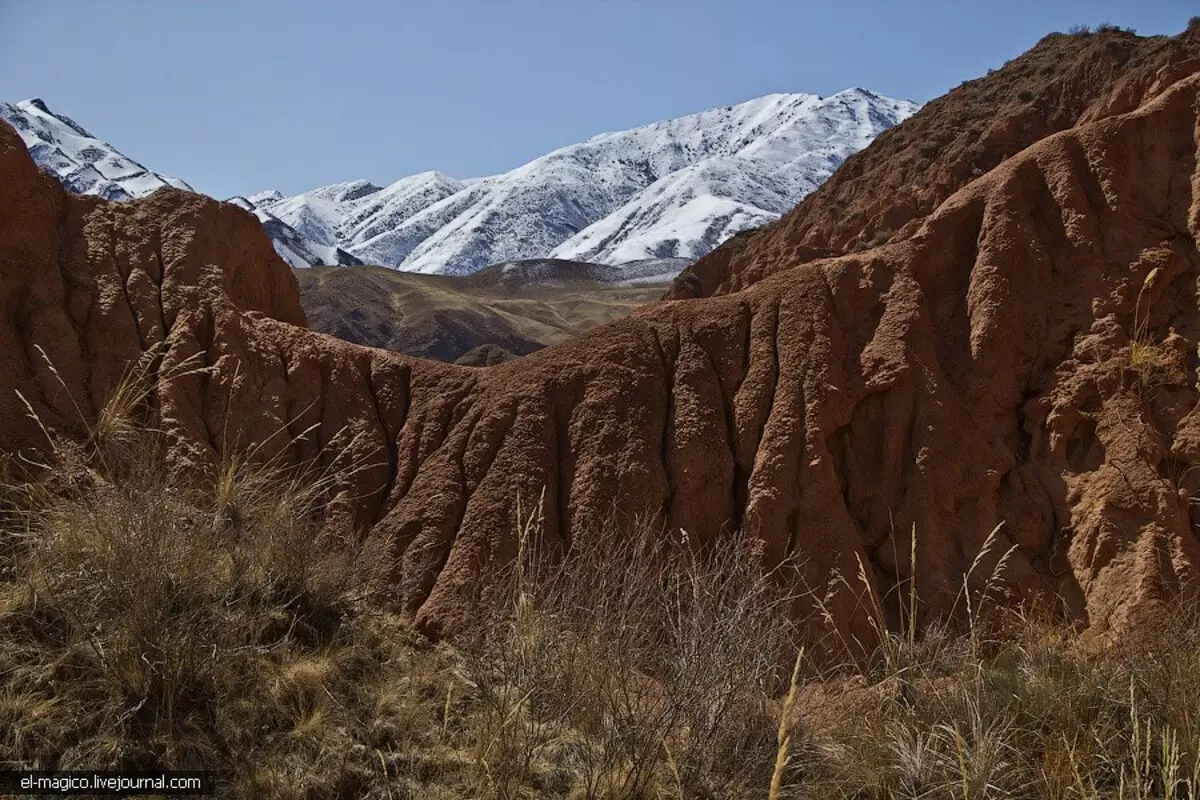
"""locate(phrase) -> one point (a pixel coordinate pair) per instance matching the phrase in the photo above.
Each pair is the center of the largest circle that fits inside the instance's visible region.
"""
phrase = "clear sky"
(236, 96)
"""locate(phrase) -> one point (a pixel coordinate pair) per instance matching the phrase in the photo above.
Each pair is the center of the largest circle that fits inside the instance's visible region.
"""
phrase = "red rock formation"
(975, 371)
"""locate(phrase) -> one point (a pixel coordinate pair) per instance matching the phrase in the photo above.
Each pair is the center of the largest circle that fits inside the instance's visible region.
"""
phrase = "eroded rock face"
(976, 371)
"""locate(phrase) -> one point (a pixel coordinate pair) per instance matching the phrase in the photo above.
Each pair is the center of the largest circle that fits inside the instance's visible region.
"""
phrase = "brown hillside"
(452, 318)
(1026, 355)
(881, 193)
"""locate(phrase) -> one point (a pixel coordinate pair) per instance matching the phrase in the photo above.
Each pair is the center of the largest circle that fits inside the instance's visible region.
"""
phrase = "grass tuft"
(1148, 358)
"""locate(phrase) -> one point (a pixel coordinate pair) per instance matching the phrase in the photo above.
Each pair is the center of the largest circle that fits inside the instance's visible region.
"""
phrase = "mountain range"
(669, 190)
(89, 165)
(672, 189)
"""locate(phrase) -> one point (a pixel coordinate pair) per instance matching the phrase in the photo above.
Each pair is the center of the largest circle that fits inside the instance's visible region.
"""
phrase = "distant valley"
(494, 315)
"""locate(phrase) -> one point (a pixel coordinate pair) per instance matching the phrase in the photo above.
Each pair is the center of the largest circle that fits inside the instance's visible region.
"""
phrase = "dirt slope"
(452, 318)
(978, 370)
(882, 193)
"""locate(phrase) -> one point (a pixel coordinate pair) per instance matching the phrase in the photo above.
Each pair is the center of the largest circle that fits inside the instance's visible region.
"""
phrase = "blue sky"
(236, 96)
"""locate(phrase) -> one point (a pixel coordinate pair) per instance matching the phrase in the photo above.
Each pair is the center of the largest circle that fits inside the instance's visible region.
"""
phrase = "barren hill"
(475, 319)
(882, 193)
(1024, 353)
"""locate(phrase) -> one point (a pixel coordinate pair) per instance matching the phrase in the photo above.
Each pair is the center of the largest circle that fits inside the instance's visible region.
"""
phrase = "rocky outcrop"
(978, 370)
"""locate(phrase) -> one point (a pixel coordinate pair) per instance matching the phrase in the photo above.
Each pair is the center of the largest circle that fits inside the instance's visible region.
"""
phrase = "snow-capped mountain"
(672, 189)
(88, 165)
(360, 217)
(82, 162)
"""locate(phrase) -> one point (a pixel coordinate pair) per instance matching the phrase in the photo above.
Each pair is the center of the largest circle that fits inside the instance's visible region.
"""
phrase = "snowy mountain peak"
(292, 247)
(88, 165)
(346, 192)
(359, 216)
(81, 161)
(269, 196)
(37, 104)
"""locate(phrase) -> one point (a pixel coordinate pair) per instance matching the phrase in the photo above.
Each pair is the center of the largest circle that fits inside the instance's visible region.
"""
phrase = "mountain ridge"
(83, 162)
(677, 188)
(883, 192)
(86, 164)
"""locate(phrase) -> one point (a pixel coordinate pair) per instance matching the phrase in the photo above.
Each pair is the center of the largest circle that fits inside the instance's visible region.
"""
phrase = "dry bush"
(646, 664)
(1036, 718)
(880, 237)
(219, 626)
(144, 627)
(1012, 704)
(1149, 360)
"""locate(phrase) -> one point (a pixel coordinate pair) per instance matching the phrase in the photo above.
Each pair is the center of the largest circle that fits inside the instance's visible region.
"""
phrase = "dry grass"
(648, 666)
(1148, 359)
(1035, 717)
(144, 627)
(141, 627)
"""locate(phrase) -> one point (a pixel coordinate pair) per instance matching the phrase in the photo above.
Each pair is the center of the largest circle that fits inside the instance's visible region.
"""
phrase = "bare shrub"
(662, 655)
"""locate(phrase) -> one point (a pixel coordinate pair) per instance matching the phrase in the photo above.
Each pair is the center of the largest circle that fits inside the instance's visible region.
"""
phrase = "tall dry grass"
(144, 626)
(646, 664)
(1035, 717)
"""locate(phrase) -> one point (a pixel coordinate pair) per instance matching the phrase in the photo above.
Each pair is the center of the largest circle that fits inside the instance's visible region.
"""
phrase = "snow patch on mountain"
(361, 217)
(293, 248)
(684, 215)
